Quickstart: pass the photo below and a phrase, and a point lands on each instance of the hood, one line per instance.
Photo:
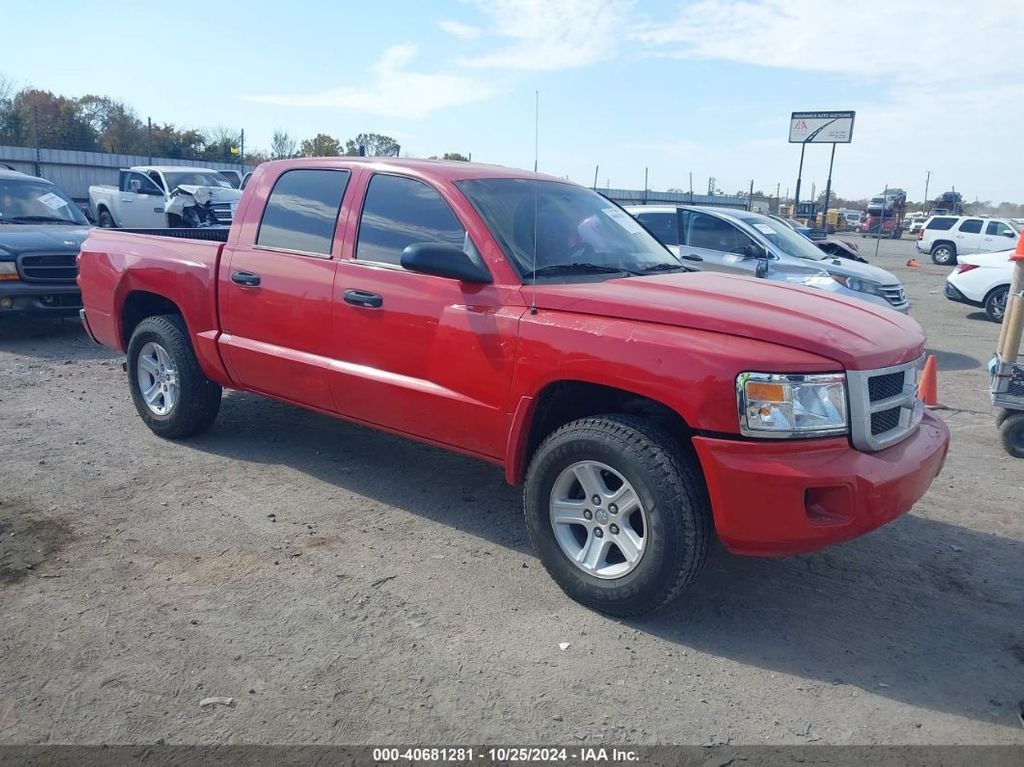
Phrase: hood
(16, 239)
(210, 193)
(856, 334)
(850, 268)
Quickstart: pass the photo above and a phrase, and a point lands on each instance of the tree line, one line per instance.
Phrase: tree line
(91, 123)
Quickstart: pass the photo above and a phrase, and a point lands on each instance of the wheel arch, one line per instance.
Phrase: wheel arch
(102, 207)
(140, 304)
(937, 243)
(560, 402)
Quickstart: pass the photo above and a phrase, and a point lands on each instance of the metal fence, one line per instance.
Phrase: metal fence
(651, 197)
(75, 171)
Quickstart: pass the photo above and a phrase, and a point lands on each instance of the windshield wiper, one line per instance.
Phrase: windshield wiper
(579, 268)
(38, 220)
(663, 267)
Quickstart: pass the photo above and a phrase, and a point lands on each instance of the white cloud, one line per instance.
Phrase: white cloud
(891, 39)
(395, 90)
(457, 28)
(547, 35)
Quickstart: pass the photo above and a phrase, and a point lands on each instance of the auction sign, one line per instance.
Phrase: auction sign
(821, 127)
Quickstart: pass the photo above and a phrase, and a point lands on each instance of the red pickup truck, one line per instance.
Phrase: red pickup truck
(532, 323)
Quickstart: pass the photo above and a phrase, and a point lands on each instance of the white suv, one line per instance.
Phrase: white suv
(946, 237)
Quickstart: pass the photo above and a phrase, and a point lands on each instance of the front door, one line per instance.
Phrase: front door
(998, 236)
(275, 295)
(142, 209)
(718, 242)
(424, 355)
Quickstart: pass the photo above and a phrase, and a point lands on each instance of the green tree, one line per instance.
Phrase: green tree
(454, 156)
(375, 144)
(321, 145)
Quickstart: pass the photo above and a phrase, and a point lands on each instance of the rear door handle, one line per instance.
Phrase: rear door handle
(363, 298)
(245, 279)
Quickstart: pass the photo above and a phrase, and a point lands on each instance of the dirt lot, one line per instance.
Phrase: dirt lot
(345, 586)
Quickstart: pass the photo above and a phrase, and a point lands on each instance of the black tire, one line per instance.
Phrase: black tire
(669, 484)
(1001, 415)
(198, 400)
(105, 220)
(944, 254)
(995, 303)
(1012, 434)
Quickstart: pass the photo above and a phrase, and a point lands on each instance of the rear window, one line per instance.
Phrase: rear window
(302, 211)
(971, 226)
(941, 224)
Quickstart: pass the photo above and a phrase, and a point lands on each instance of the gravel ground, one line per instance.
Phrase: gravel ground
(344, 586)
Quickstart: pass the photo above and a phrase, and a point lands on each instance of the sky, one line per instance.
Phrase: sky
(703, 87)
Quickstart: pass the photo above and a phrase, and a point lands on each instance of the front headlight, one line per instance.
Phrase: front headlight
(820, 281)
(8, 270)
(778, 406)
(860, 286)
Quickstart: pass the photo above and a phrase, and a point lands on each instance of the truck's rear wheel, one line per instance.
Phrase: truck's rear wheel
(944, 254)
(105, 220)
(619, 516)
(168, 387)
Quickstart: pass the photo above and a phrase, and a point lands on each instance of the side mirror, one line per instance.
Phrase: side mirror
(752, 251)
(443, 260)
(135, 185)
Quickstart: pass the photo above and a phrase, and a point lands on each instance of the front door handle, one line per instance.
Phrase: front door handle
(363, 298)
(246, 279)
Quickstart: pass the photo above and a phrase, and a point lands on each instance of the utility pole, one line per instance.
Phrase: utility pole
(750, 197)
(645, 186)
(691, 187)
(149, 139)
(241, 150)
(927, 178)
(828, 190)
(596, 168)
(35, 136)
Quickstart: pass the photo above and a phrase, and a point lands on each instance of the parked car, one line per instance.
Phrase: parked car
(41, 231)
(234, 177)
(946, 238)
(245, 180)
(982, 280)
(853, 218)
(154, 197)
(827, 243)
(530, 322)
(739, 242)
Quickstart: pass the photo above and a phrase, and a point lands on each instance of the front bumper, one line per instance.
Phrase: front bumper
(39, 300)
(782, 498)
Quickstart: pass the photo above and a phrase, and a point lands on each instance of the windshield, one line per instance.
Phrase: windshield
(36, 202)
(782, 237)
(196, 178)
(572, 229)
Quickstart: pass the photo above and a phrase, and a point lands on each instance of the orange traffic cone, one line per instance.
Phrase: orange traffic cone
(928, 388)
(913, 263)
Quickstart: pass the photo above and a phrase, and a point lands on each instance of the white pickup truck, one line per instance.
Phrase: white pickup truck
(159, 196)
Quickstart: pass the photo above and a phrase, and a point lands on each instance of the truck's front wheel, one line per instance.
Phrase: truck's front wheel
(619, 515)
(168, 387)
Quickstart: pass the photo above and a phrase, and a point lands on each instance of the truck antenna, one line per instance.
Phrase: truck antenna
(536, 146)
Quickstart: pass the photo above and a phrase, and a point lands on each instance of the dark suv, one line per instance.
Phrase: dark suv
(41, 231)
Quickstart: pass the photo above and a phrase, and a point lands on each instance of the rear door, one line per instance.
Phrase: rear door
(998, 235)
(664, 225)
(276, 293)
(968, 237)
(420, 354)
(718, 242)
(142, 209)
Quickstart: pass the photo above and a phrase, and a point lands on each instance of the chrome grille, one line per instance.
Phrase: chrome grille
(884, 408)
(48, 267)
(224, 212)
(894, 294)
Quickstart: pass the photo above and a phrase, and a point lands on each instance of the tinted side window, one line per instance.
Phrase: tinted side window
(998, 228)
(146, 185)
(713, 233)
(971, 226)
(400, 211)
(302, 211)
(664, 226)
(941, 224)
